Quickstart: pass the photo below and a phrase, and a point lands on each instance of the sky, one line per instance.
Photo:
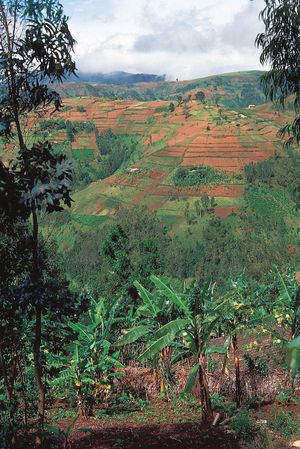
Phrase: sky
(184, 39)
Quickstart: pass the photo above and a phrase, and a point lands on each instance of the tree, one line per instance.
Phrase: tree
(200, 96)
(42, 181)
(180, 100)
(133, 248)
(171, 107)
(35, 47)
(280, 48)
(15, 251)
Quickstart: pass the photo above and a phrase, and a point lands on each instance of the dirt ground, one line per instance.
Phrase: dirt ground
(179, 436)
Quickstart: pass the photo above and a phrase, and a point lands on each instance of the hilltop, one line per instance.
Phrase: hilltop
(119, 77)
(237, 89)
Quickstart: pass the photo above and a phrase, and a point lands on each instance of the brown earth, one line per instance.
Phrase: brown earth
(229, 191)
(223, 212)
(155, 436)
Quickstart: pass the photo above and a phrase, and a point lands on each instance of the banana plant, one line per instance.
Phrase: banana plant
(198, 316)
(286, 314)
(241, 311)
(153, 313)
(286, 306)
(92, 366)
(293, 350)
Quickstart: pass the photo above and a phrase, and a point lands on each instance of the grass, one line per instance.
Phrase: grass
(227, 201)
(112, 203)
(269, 203)
(89, 220)
(83, 155)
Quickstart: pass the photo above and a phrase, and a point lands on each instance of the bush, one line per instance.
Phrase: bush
(11, 423)
(219, 402)
(186, 177)
(244, 426)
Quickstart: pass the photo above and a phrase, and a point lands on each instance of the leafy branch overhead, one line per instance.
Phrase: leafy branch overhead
(280, 44)
(35, 51)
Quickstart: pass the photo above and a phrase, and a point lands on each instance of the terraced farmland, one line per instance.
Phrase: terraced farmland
(193, 135)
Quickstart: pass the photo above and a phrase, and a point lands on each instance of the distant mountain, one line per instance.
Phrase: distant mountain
(232, 90)
(118, 78)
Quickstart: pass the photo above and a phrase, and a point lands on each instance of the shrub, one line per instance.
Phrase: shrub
(244, 426)
(11, 423)
(185, 177)
(219, 402)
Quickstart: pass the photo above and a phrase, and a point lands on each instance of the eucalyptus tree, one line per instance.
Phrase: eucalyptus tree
(35, 51)
(280, 44)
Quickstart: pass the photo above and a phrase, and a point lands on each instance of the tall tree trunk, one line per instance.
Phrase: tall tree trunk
(38, 323)
(207, 411)
(38, 365)
(238, 389)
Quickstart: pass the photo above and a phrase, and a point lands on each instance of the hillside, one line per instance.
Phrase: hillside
(121, 78)
(194, 135)
(232, 90)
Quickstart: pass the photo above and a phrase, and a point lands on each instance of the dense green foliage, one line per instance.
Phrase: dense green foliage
(195, 176)
(116, 150)
(279, 44)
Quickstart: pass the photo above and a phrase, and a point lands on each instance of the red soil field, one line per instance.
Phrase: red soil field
(229, 164)
(228, 191)
(99, 208)
(124, 180)
(157, 174)
(169, 153)
(223, 212)
(157, 177)
(155, 137)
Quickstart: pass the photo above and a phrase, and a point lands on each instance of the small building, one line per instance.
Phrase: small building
(133, 170)
(252, 106)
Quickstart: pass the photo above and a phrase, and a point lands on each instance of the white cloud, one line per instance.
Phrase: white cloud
(181, 38)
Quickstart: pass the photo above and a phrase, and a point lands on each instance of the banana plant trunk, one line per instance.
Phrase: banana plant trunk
(238, 389)
(224, 365)
(207, 411)
(80, 405)
(165, 366)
